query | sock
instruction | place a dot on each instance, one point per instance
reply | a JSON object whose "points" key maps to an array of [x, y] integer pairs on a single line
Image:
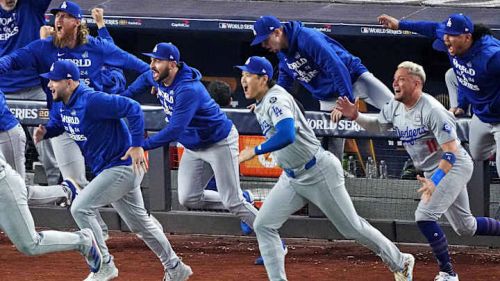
{"points": [[487, 226], [437, 240]]}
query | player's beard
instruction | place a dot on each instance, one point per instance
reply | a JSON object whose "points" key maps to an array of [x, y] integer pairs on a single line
{"points": [[163, 75]]}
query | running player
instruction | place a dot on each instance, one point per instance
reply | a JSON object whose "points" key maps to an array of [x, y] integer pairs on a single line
{"points": [[114, 152], [310, 174], [428, 133]]}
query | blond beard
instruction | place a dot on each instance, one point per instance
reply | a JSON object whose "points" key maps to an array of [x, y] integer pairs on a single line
{"points": [[64, 41]]}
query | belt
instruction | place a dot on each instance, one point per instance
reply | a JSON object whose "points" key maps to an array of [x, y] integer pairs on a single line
{"points": [[290, 173]]}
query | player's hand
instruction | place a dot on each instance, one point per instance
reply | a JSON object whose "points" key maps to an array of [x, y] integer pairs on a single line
{"points": [[154, 91], [388, 21], [347, 108], [427, 188], [336, 115], [39, 133], [139, 162], [251, 107], [98, 16], [457, 111], [46, 31], [246, 154]]}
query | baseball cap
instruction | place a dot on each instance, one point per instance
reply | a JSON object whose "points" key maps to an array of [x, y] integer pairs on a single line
{"points": [[61, 70], [264, 26], [456, 24], [257, 65], [165, 51], [69, 7]]}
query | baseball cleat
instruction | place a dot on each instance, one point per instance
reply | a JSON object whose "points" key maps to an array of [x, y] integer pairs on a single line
{"points": [[248, 195], [180, 272], [107, 272], [443, 276], [407, 273], [93, 256], [260, 260], [72, 189]]}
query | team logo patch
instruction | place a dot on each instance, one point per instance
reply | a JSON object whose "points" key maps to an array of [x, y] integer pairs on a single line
{"points": [[447, 128], [273, 99]]}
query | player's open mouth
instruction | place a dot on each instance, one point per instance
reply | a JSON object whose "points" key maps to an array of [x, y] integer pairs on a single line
{"points": [[58, 28], [245, 88]]}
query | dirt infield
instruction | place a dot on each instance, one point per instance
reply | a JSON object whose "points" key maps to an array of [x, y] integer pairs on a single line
{"points": [[231, 258]]}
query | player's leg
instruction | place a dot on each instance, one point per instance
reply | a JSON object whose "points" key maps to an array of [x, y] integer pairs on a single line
{"points": [[18, 225], [131, 209], [481, 139], [109, 186], [370, 89], [223, 158], [13, 147], [69, 159], [452, 85], [193, 175], [323, 184], [279, 204], [449, 194]]}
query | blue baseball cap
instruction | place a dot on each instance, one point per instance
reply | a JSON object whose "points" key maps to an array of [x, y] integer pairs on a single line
{"points": [[69, 7], [264, 26], [257, 65], [456, 24], [165, 51], [61, 70]]}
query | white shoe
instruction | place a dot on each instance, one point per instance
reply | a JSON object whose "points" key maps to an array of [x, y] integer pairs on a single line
{"points": [[407, 273], [108, 271], [180, 273], [443, 276]]}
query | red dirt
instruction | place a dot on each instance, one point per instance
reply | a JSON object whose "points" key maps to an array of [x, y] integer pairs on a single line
{"points": [[231, 258]]}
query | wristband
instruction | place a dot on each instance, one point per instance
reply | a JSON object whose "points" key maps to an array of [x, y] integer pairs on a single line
{"points": [[438, 176], [450, 157]]}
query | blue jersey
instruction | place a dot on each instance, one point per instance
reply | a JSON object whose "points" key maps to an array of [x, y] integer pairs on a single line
{"points": [[89, 57], [18, 28], [194, 119], [7, 119], [477, 71], [94, 121], [319, 63]]}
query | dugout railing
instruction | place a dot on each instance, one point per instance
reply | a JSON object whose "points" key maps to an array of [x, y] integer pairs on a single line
{"points": [[159, 187]]}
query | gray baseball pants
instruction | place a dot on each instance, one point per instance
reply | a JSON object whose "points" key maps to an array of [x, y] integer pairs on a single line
{"points": [[17, 223], [451, 198], [12, 148], [120, 187], [197, 168], [484, 140], [323, 185]]}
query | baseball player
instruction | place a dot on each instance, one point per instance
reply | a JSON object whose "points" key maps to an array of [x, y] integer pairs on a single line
{"points": [[113, 79], [12, 139], [475, 58], [210, 139], [17, 223], [19, 24], [307, 176], [428, 133], [114, 152], [321, 65]]}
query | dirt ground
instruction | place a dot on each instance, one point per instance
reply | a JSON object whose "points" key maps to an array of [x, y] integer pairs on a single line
{"points": [[231, 258]]}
